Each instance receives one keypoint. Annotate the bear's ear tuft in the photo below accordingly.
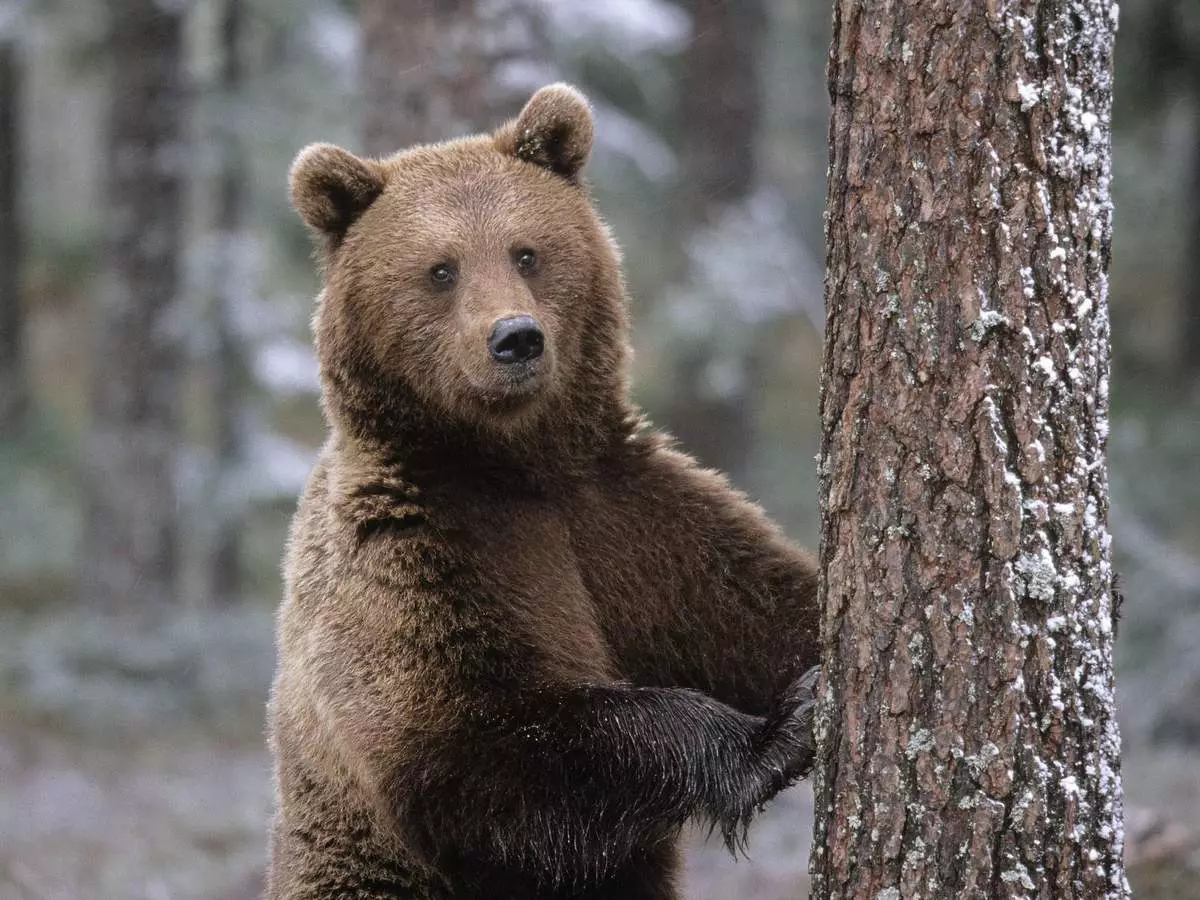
(554, 131)
(332, 187)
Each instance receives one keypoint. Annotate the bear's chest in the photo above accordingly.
(525, 570)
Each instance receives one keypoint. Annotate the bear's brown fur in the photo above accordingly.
(524, 639)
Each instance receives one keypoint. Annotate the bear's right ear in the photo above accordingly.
(332, 187)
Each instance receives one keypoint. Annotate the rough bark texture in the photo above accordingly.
(429, 67)
(13, 383)
(969, 741)
(232, 377)
(130, 554)
(720, 109)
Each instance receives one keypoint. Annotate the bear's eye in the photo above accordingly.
(442, 273)
(526, 261)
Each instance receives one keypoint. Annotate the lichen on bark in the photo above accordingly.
(969, 740)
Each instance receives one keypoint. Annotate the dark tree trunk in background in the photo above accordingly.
(720, 104)
(232, 377)
(132, 522)
(1191, 262)
(720, 108)
(429, 67)
(14, 386)
(1170, 54)
(968, 742)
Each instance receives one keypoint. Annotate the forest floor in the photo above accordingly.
(182, 816)
(136, 768)
(111, 788)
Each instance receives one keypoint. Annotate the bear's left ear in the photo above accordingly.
(554, 131)
(332, 187)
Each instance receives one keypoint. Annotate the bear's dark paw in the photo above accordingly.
(784, 752)
(787, 745)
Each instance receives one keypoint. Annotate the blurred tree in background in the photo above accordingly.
(712, 410)
(231, 278)
(447, 84)
(165, 292)
(1164, 85)
(13, 387)
(130, 556)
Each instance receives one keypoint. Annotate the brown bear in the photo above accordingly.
(524, 639)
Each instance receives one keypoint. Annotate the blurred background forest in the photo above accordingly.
(158, 397)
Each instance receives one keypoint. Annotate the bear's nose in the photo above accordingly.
(516, 339)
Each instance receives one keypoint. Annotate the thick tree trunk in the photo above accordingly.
(429, 67)
(720, 108)
(969, 746)
(132, 523)
(14, 386)
(232, 377)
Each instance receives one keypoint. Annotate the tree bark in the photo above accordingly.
(130, 555)
(968, 740)
(429, 67)
(14, 386)
(720, 109)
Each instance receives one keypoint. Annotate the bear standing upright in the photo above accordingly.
(524, 639)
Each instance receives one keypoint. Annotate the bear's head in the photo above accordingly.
(472, 295)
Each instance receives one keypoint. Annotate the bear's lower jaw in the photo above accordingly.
(509, 395)
(513, 386)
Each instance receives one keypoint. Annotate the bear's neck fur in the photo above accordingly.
(379, 418)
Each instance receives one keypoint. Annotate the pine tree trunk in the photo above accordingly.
(720, 110)
(969, 746)
(132, 522)
(429, 67)
(13, 383)
(232, 377)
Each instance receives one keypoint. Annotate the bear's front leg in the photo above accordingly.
(694, 585)
(568, 784)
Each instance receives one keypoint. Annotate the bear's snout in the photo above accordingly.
(516, 339)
